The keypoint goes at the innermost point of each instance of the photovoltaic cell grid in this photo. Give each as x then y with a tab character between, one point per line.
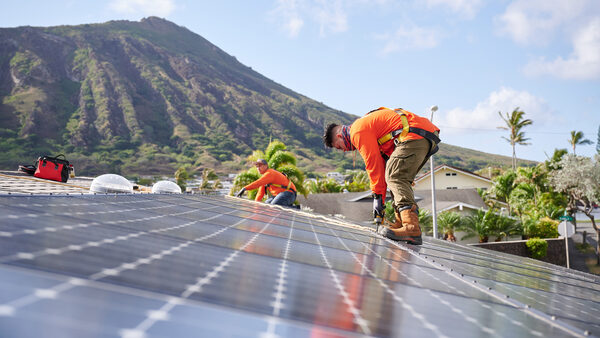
189	265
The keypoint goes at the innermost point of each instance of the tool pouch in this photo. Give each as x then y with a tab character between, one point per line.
52	168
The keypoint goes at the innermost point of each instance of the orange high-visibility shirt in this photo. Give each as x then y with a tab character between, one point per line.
365	132
271	176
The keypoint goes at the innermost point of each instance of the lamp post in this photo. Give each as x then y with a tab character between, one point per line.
433	207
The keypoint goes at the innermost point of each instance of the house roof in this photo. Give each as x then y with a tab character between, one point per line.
189	265
445	166
450	198
354	206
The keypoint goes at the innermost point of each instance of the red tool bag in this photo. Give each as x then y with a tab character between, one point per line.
52	168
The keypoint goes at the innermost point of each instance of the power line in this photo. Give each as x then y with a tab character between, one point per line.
502	130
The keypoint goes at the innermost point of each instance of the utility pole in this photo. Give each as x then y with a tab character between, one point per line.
433	207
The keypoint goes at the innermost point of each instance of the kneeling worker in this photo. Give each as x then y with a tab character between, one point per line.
395	144
279	186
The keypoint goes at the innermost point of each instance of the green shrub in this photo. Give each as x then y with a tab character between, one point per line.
543	228
537	248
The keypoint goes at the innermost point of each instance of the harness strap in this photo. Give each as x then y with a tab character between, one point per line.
400	134
281	186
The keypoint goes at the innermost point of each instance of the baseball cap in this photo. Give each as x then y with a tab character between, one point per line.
261	161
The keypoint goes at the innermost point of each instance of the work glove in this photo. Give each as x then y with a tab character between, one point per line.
378	206
240	193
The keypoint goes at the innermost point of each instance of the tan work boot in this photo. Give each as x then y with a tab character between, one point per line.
398	223
389	225
409	231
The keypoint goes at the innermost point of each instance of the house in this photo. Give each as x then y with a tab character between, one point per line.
338	177
462	201
449	177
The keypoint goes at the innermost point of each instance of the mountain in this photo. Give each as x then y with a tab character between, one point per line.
147	97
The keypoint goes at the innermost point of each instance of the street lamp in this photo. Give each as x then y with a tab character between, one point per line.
433	208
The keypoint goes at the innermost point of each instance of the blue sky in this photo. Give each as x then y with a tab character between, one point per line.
472	58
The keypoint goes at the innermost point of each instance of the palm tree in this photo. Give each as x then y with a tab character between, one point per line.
502	187
207	176
448	222
477	224
278	159
502	226
323	186
360	182
426	222
577	138
514	124
181	176
598	142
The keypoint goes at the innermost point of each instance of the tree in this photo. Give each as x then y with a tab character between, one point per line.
426	222
478	225
503	186
598	141
579	178
576	139
514	124
448	222
207	176
181	176
278	159
503	226
323	186
359	182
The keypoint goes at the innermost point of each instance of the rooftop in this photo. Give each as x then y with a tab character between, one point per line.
135	265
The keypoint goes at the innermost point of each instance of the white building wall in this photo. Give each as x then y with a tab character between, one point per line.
447	178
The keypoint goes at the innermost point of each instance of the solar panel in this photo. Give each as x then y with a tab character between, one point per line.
191	265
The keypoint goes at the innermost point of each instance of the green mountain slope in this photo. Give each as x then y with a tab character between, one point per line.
147	97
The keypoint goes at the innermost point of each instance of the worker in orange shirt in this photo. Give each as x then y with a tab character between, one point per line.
279	186
395	144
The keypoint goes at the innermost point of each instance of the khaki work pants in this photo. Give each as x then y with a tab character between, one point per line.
402	167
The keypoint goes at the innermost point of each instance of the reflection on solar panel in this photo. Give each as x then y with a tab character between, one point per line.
189	265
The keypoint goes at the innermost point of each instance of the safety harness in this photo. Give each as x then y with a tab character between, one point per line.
287	188
399	134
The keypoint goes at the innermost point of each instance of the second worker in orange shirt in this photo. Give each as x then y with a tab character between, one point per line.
281	189
395	144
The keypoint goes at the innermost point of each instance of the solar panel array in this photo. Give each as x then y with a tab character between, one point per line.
190	265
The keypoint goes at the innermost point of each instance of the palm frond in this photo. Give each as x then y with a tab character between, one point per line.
281	158
272	148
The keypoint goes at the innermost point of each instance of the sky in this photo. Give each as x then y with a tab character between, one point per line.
471	58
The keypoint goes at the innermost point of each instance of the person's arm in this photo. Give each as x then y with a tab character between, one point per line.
264	179
260	194
367	145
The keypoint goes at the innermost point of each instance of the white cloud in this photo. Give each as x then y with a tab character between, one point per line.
536	21
410	37
288	13
582	64
330	16
466	8
485	114
539	22
147	7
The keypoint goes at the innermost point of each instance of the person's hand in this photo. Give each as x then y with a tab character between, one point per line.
240	193
378	206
